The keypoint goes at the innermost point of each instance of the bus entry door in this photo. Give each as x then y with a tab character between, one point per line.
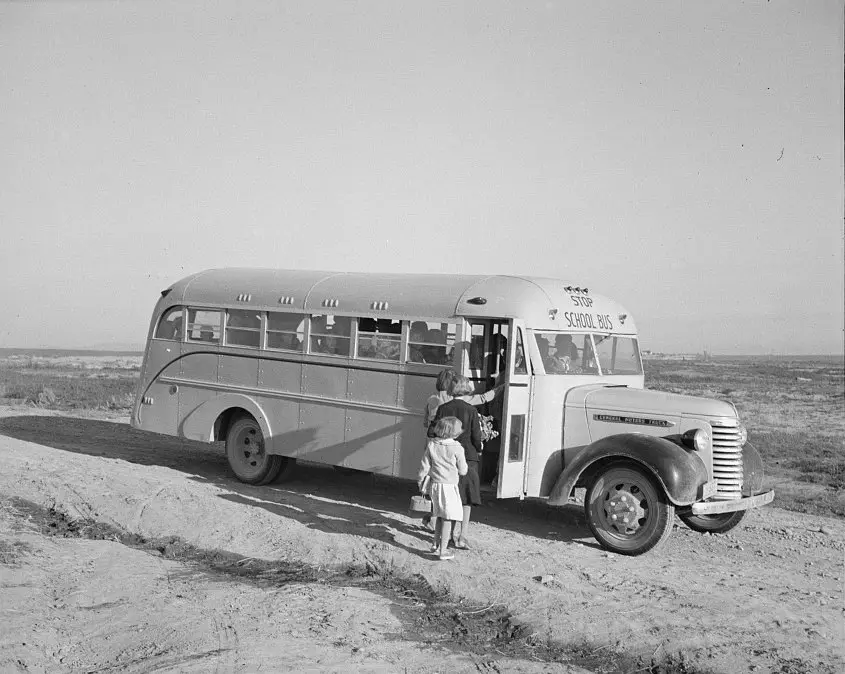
514	423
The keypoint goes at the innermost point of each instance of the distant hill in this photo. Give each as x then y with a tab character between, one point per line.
47	353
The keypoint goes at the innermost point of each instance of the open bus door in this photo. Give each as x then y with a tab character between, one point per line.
514	422
485	365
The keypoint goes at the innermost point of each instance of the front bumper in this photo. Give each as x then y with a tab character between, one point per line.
716	507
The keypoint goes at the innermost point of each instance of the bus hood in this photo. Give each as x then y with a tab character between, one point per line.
624	399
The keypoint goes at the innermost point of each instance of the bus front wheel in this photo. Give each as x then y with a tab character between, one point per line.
626	511
248	459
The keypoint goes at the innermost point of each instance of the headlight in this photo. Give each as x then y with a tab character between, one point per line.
743	435
697	439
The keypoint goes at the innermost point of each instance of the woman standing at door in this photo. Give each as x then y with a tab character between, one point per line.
470	438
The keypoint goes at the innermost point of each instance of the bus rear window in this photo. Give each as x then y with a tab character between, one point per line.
170	325
204	325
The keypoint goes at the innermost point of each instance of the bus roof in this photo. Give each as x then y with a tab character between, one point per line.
543	303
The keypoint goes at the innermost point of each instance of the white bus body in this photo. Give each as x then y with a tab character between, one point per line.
336	368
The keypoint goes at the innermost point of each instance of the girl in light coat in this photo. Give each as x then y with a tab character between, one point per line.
442	464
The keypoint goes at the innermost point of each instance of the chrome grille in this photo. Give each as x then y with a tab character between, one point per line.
727	460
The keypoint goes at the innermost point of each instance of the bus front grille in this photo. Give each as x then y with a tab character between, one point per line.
727	461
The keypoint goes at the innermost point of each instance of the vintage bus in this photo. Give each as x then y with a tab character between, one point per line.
336	368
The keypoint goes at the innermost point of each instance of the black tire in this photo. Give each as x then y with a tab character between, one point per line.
247	458
713	524
627	511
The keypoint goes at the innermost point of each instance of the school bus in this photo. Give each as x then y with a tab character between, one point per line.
336	368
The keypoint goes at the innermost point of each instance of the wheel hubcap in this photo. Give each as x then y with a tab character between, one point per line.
625	508
252	448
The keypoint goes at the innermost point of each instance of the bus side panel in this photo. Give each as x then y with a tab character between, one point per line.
161	416
324	424
410	447
370	434
284	414
322	428
288	439
238	370
325	381
367	386
370	442
201	367
280	375
412	434
416	393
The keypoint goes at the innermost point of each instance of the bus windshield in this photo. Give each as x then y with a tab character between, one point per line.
571	354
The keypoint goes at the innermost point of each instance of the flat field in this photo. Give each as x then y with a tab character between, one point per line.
793	406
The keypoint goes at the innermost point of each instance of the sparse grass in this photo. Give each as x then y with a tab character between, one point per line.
10	553
69	389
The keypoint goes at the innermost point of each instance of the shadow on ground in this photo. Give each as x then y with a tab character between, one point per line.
361	504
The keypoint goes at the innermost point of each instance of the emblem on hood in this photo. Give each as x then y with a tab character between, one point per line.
639	421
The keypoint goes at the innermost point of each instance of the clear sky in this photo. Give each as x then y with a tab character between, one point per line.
684	158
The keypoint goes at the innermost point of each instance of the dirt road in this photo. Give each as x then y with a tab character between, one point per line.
766	598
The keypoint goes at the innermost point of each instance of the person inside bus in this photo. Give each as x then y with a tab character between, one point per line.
566	354
470	438
416	337
334	339
551	363
367	339
435	350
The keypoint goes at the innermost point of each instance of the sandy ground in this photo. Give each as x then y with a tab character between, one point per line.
767	597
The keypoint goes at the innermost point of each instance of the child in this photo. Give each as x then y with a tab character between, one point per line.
443	463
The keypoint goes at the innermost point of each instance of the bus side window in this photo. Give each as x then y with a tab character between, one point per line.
204	326
380	339
431	342
243	328
285	331
170	325
330	334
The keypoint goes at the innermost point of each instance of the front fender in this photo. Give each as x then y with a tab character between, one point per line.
199	424
679	471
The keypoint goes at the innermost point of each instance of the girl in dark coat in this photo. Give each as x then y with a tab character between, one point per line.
469	484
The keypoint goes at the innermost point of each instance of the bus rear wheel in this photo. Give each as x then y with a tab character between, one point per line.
248	459
626	511
713	524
